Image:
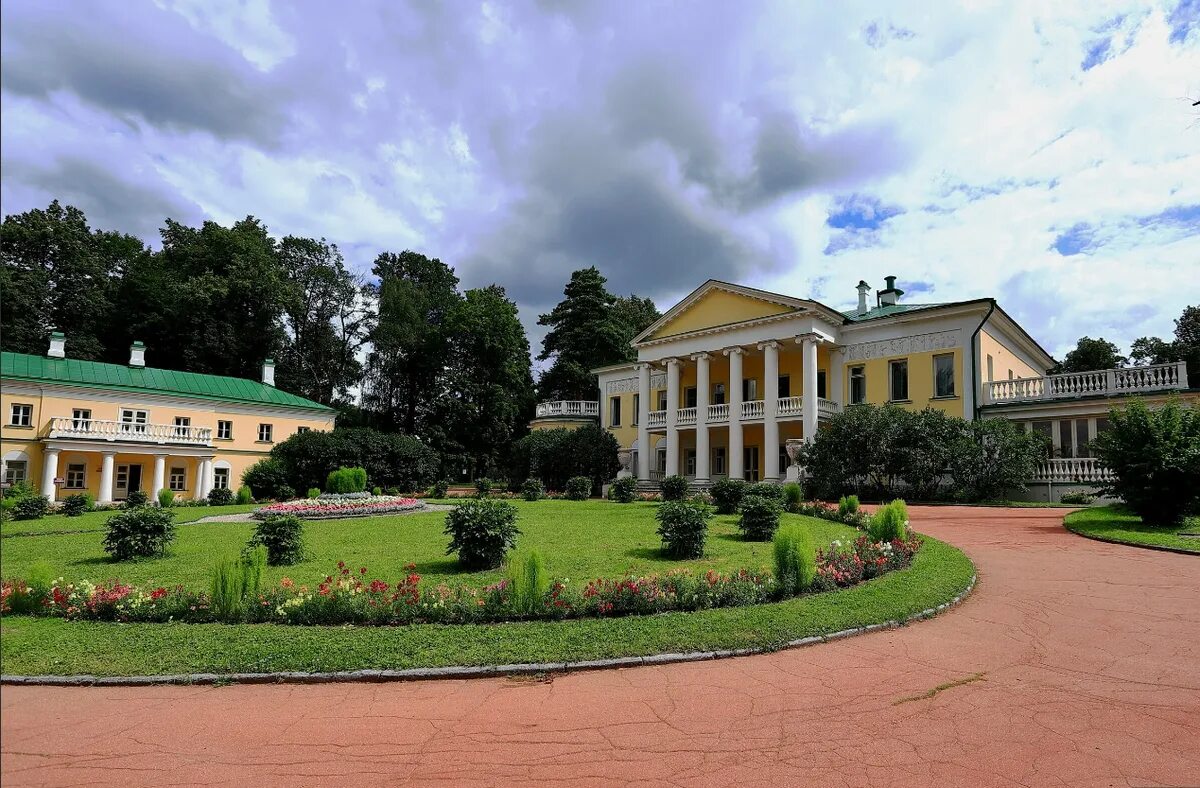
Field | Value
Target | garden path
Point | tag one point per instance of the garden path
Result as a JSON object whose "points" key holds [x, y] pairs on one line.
{"points": [[1074, 662]]}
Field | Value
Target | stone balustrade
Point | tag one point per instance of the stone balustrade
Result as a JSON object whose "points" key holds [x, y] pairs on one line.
{"points": [[1103, 382], [111, 430]]}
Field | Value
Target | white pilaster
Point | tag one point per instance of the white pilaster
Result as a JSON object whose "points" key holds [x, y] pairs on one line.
{"points": [[160, 474], [702, 392], [808, 351], [645, 451], [107, 461], [673, 365], [735, 412], [770, 410], [49, 471]]}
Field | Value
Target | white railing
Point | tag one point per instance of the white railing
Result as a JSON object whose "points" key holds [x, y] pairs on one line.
{"points": [[791, 406], [685, 416], [1104, 382], [657, 418], [579, 408], [109, 430], [1072, 470], [753, 409], [718, 413], [827, 408]]}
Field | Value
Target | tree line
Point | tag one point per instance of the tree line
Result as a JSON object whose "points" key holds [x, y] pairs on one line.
{"points": [[1093, 354], [403, 349]]}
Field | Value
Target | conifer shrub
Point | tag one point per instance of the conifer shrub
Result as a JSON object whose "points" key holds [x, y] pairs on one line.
{"points": [[528, 583], [795, 560], [282, 537]]}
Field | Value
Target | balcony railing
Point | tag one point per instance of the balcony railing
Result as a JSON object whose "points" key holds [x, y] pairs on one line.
{"points": [[1072, 470], [791, 406], [718, 414], [657, 418], [109, 430], [754, 409], [1104, 382], [576, 408], [685, 417]]}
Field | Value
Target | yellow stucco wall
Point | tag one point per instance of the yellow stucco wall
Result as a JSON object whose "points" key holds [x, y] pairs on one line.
{"points": [[719, 308], [920, 381], [1003, 361]]}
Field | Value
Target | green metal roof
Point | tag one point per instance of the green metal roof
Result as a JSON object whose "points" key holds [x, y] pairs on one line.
{"points": [[891, 309], [147, 380]]}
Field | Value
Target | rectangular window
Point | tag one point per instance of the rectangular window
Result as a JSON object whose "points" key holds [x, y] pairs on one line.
{"points": [[821, 384], [718, 396], [178, 480], [301, 430], [183, 426], [134, 420], [225, 430], [21, 415], [858, 385], [718, 461], [943, 375], [749, 389], [1081, 438], [689, 397], [221, 478], [637, 408], [1065, 447], [81, 418], [122, 477], [614, 411], [76, 476], [16, 472], [662, 400], [898, 374], [785, 386], [264, 433], [991, 364], [689, 462]]}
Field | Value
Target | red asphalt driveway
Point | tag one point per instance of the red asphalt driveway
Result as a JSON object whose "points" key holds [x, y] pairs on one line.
{"points": [[1086, 657]]}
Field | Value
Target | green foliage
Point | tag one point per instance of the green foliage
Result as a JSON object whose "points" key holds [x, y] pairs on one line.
{"points": [[390, 460], [314, 492], [766, 490], [759, 517], [889, 523], [727, 494], [166, 498], [482, 531], [483, 487], [554, 456], [674, 488], [220, 496], [440, 488], [285, 493], [136, 499], [76, 505], [346, 480], [282, 537], [234, 581], [623, 490], [683, 526], [1090, 354], [141, 532], [376, 491], [1079, 498], [244, 495], [31, 507], [266, 477], [579, 488], [795, 559], [532, 490], [1154, 457], [1185, 347], [991, 457], [848, 504], [528, 582], [793, 496]]}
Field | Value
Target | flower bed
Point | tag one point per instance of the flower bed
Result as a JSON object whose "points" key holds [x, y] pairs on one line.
{"points": [[337, 507], [349, 596]]}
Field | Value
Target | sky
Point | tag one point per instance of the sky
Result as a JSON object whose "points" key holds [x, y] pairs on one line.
{"points": [[1045, 154]]}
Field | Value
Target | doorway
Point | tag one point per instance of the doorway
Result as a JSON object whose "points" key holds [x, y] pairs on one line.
{"points": [[129, 479]]}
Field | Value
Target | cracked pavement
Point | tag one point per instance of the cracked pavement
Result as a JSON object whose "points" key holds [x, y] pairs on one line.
{"points": [[1089, 654]]}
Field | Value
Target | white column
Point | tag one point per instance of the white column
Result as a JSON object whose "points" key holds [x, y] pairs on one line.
{"points": [[808, 350], [770, 410], [735, 412], [107, 460], [673, 365], [645, 450], [199, 487], [207, 471], [702, 390], [49, 472], [160, 474]]}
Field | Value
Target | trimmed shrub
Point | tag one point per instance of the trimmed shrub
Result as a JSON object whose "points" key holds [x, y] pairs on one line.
{"points": [[141, 532], [683, 526], [759, 517], [795, 560], [137, 499], [1077, 498], [440, 488], [265, 478], [528, 583], [282, 537], [623, 490], [234, 580], [482, 531], [890, 523], [166, 498], [847, 505], [579, 488], [76, 505], [793, 496], [727, 494], [674, 488], [483, 486], [346, 480], [220, 496], [376, 491], [314, 492], [766, 490], [532, 490], [31, 507], [244, 496]]}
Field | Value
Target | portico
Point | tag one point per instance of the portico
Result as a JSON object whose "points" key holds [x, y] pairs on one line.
{"points": [[110, 472]]}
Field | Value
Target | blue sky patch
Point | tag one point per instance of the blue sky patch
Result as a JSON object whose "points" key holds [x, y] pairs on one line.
{"points": [[860, 211], [1077, 240], [1183, 20], [1097, 53]]}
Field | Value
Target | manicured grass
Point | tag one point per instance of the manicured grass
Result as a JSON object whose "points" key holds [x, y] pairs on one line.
{"points": [[43, 646], [1116, 524], [580, 541], [94, 521]]}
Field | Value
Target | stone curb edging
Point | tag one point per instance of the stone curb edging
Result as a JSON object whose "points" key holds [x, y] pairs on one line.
{"points": [[1162, 548], [466, 672]]}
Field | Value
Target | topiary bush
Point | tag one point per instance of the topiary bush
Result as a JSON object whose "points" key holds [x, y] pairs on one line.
{"points": [[623, 490], [889, 523], [282, 537], [532, 490], [482, 531], [166, 498], [727, 494], [674, 488], [683, 526], [795, 560], [346, 480], [244, 496], [31, 507], [76, 505], [220, 496], [793, 496], [141, 532], [439, 488], [136, 499], [579, 488], [759, 517], [483, 486]]}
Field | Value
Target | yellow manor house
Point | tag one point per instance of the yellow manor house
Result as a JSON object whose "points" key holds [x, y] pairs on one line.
{"points": [[73, 426], [731, 376]]}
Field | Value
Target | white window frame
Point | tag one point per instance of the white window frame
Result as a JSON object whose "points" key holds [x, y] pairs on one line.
{"points": [[76, 469], [11, 467], [268, 430], [20, 415], [134, 419], [302, 429], [220, 478], [121, 479], [81, 418], [892, 365], [177, 479], [614, 411], [228, 423], [861, 370], [953, 387], [183, 426]]}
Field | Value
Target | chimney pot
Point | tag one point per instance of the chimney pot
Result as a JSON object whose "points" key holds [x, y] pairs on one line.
{"points": [[890, 295], [58, 345], [268, 372], [863, 289], [137, 354]]}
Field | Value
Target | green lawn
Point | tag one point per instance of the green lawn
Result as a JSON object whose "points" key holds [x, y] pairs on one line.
{"points": [[94, 521], [1116, 524]]}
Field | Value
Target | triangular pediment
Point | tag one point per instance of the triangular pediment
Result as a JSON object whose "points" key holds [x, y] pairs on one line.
{"points": [[716, 304]]}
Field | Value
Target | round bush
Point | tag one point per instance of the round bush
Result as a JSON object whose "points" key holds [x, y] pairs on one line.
{"points": [[683, 526], [482, 531], [483, 486], [136, 499], [440, 488], [220, 496], [140, 532], [283, 537], [346, 480], [286, 493], [759, 517], [623, 490], [76, 505], [727, 494], [579, 488], [767, 490], [314, 492], [31, 507], [674, 488], [532, 490]]}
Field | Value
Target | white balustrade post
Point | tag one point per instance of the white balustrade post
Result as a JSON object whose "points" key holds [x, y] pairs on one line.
{"points": [[645, 451], [808, 351], [735, 412], [673, 365], [160, 473], [771, 410], [49, 472], [702, 391], [107, 461]]}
